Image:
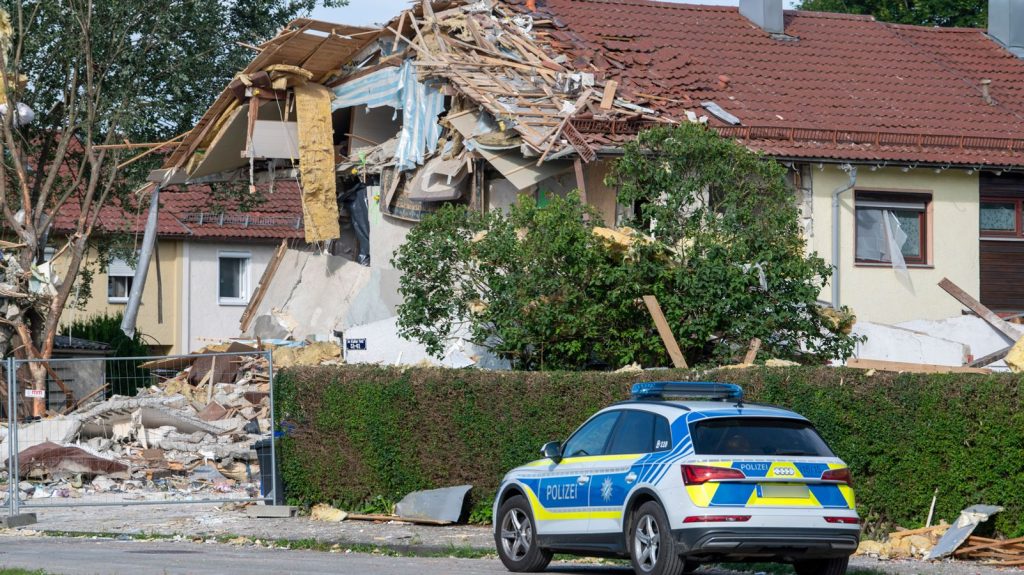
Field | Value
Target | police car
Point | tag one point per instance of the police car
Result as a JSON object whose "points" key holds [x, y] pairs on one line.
{"points": [[682, 474]]}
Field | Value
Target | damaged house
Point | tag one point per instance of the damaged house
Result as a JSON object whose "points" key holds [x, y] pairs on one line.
{"points": [[208, 255], [902, 141]]}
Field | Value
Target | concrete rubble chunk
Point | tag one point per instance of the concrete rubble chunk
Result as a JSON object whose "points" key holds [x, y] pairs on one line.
{"points": [[327, 513], [58, 430], [152, 412], [443, 504]]}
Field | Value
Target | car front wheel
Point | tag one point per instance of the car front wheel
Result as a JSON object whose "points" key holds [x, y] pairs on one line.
{"points": [[516, 538], [652, 549], [836, 566]]}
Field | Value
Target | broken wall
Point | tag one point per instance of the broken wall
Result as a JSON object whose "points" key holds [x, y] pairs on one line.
{"points": [[207, 319], [875, 292], [372, 126], [309, 296]]}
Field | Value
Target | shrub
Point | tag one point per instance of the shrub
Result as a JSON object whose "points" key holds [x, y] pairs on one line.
{"points": [[364, 433]]}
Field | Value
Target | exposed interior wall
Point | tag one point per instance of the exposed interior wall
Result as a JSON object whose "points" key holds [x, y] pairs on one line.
{"points": [[164, 336], [209, 320], [877, 293], [379, 299], [372, 126]]}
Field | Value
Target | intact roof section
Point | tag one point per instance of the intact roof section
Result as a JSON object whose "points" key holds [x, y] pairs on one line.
{"points": [[829, 74], [195, 211]]}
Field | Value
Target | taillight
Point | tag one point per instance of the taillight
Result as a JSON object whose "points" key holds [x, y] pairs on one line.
{"points": [[722, 518], [700, 474], [846, 520], [840, 475]]}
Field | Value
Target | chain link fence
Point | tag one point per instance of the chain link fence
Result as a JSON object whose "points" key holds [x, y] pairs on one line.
{"points": [[141, 430]]}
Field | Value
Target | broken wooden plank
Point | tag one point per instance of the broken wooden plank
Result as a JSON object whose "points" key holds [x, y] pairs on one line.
{"points": [[977, 307], [755, 346], [665, 332], [990, 358], [263, 286], [899, 366], [375, 517], [88, 397], [608, 98]]}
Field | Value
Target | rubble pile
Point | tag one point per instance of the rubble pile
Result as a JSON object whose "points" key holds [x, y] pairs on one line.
{"points": [[910, 543], [187, 436]]}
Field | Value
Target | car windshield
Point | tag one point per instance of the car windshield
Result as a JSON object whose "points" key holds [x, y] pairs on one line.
{"points": [[757, 436]]}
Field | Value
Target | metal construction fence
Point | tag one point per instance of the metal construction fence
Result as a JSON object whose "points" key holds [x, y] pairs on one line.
{"points": [[141, 430]]}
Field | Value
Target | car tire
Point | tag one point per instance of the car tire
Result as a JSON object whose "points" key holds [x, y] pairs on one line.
{"points": [[515, 536], [836, 566], [651, 547]]}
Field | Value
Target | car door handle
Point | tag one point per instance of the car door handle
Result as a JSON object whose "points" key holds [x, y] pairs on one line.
{"points": [[583, 479], [631, 477]]}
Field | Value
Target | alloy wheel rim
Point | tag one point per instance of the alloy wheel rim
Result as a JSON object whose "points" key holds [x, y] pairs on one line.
{"points": [[646, 543], [516, 534]]}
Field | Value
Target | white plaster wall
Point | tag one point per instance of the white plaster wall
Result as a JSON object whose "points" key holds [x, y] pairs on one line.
{"points": [[877, 293], [209, 321]]}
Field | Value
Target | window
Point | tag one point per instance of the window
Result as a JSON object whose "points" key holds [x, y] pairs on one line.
{"points": [[592, 438], [892, 228], [1001, 217], [640, 432], [234, 278], [119, 280], [758, 436]]}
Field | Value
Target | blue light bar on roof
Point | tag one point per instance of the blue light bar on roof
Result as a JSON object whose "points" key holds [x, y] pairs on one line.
{"points": [[686, 389]]}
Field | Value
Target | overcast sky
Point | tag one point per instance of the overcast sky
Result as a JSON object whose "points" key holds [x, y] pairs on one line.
{"points": [[373, 12]]}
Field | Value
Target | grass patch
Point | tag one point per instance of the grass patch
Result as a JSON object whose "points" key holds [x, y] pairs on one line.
{"points": [[16, 571]]}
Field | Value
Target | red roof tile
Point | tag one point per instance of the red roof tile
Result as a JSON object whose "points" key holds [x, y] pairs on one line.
{"points": [[196, 212], [834, 72]]}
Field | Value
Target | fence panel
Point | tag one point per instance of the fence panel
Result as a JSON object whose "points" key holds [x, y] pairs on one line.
{"points": [[141, 430]]}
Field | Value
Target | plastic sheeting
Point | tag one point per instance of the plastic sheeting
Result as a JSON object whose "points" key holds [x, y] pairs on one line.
{"points": [[420, 104]]}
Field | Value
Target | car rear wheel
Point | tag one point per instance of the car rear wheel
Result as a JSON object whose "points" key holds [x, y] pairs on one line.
{"points": [[836, 566], [652, 549], [516, 538]]}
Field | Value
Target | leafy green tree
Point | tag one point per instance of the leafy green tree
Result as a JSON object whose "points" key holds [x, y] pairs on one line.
{"points": [[963, 13], [542, 289], [96, 73]]}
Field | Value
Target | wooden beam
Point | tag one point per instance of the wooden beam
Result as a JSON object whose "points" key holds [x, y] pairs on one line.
{"points": [[990, 358], [581, 180], [899, 366], [665, 332], [977, 307], [755, 346], [263, 286], [608, 98]]}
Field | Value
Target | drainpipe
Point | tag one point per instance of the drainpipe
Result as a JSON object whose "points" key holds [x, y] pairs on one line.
{"points": [[131, 310], [852, 172]]}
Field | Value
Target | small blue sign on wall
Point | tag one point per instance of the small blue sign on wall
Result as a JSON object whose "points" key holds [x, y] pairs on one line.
{"points": [[358, 344]]}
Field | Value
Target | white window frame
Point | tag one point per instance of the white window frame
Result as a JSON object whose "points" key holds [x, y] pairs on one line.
{"points": [[244, 280], [120, 265]]}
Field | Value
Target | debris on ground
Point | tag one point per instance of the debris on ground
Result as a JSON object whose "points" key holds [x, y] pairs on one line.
{"points": [[445, 504], [906, 544], [969, 519], [325, 512]]}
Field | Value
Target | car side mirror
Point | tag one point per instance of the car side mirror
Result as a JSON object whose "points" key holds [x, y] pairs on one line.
{"points": [[552, 450]]}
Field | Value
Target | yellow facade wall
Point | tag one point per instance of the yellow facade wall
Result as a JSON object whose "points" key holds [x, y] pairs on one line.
{"points": [[163, 336], [878, 294]]}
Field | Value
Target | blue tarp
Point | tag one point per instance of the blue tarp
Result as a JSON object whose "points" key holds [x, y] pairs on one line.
{"points": [[420, 104]]}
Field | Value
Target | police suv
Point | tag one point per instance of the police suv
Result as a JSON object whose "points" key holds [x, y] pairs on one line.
{"points": [[672, 483]]}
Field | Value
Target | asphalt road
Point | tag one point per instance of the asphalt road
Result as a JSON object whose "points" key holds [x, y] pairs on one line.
{"points": [[105, 557], [81, 556]]}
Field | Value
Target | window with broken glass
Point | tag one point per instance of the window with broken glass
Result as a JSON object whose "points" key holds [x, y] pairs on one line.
{"points": [[119, 280], [892, 228], [1001, 218]]}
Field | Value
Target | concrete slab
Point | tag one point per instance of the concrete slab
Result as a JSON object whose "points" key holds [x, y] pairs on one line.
{"points": [[20, 520], [891, 343], [379, 343], [270, 511], [58, 430], [970, 330], [443, 504]]}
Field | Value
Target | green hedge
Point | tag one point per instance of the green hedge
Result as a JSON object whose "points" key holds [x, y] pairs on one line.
{"points": [[367, 434]]}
